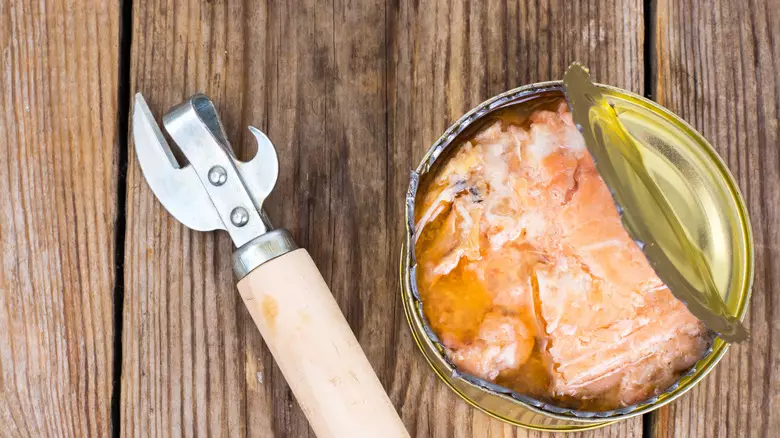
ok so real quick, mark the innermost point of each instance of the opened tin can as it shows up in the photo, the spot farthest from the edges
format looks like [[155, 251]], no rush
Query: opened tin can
[[693, 165]]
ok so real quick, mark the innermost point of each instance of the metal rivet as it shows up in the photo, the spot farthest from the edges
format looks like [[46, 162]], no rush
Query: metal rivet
[[239, 216], [217, 175]]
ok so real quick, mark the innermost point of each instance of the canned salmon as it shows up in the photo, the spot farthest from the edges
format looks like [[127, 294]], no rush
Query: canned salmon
[[521, 308]]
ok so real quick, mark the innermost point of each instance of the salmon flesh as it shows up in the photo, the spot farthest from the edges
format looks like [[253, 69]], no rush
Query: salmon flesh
[[530, 280]]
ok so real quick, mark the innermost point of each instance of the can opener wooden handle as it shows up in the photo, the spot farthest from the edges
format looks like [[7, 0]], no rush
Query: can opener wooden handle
[[287, 297]]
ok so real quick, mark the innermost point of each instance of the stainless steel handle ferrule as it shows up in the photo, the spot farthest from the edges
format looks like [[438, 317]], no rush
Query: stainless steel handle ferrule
[[261, 249]]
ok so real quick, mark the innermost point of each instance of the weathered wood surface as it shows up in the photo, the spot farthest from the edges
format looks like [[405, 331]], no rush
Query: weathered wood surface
[[716, 65], [352, 94], [445, 58], [58, 198]]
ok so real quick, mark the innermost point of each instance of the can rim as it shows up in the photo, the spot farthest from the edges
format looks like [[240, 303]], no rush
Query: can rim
[[588, 419]]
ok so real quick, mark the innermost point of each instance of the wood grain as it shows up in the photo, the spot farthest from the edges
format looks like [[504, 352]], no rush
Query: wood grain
[[182, 371], [58, 185], [352, 94], [717, 67], [447, 57]]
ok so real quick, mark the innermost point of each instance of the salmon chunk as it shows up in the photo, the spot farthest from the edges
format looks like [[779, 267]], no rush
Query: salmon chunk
[[502, 343], [529, 278]]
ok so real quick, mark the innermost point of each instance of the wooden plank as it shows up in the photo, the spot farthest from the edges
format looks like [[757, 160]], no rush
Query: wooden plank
[[58, 183], [446, 57], [181, 362], [351, 93], [193, 361], [717, 68]]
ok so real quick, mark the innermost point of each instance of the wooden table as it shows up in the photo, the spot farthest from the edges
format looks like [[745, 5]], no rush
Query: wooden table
[[114, 319]]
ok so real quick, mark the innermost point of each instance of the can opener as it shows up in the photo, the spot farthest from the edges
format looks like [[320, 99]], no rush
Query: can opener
[[285, 294]]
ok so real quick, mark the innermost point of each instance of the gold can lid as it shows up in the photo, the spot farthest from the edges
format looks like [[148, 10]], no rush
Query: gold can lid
[[664, 218]]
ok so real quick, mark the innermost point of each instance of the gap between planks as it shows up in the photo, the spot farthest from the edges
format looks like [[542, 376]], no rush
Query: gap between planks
[[123, 132]]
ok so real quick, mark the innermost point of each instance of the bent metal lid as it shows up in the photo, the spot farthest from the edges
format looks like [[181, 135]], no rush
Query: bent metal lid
[[663, 203]]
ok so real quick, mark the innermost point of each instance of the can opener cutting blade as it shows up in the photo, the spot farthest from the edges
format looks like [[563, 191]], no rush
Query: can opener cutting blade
[[284, 292]]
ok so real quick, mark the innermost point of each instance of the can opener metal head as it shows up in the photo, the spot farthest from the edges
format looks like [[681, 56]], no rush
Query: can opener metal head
[[215, 191], [283, 290]]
